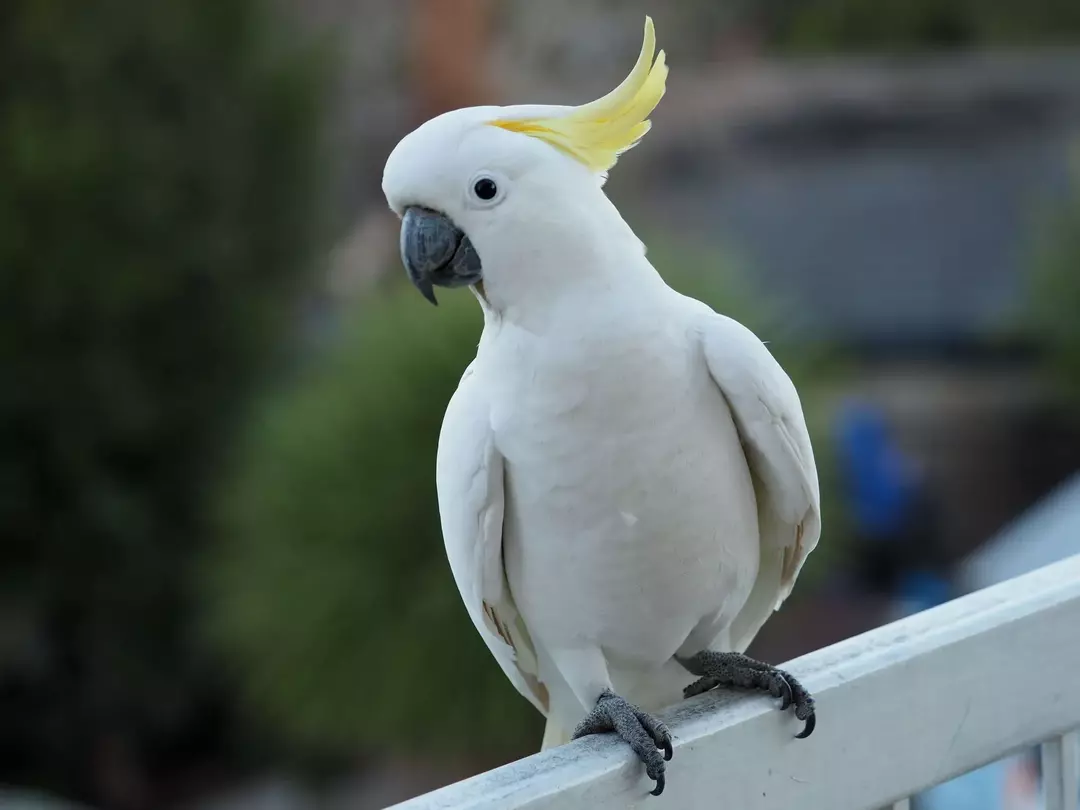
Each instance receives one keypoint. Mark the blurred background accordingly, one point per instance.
(222, 583)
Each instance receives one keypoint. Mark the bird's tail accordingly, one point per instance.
(554, 734)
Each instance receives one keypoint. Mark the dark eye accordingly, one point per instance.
(485, 188)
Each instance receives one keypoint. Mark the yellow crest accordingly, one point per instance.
(598, 132)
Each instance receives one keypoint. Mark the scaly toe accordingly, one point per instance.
(738, 671)
(785, 692)
(645, 735)
(700, 686)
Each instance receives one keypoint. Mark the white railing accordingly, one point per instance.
(900, 709)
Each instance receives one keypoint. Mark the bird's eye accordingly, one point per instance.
(485, 188)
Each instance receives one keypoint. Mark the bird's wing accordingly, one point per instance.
(469, 479)
(772, 428)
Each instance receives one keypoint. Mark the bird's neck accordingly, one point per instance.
(586, 265)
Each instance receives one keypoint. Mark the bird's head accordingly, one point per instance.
(509, 200)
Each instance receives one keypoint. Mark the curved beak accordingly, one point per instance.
(436, 252)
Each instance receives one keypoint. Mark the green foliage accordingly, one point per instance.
(912, 25)
(158, 164)
(332, 587)
(1054, 311)
(331, 590)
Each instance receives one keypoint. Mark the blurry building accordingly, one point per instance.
(889, 207)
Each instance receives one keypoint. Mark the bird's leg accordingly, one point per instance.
(585, 671)
(646, 735)
(738, 671)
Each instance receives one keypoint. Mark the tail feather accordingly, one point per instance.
(554, 734)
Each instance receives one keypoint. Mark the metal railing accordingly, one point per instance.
(900, 709)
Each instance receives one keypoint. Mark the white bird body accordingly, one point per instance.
(619, 484)
(624, 475)
(630, 520)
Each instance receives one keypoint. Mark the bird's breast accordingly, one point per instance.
(630, 513)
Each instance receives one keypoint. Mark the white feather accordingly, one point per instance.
(469, 480)
(770, 421)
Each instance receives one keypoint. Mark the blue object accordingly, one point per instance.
(919, 590)
(983, 789)
(879, 482)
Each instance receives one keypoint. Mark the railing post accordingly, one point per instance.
(1061, 782)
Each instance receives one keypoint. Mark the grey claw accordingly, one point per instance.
(811, 723)
(804, 706)
(656, 791)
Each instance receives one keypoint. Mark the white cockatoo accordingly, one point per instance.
(625, 479)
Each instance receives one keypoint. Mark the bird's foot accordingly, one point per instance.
(734, 670)
(643, 732)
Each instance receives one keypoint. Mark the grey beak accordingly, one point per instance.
(436, 252)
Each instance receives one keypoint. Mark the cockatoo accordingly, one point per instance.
(626, 484)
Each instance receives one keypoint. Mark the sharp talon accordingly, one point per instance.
(787, 696)
(656, 791)
(669, 751)
(811, 722)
